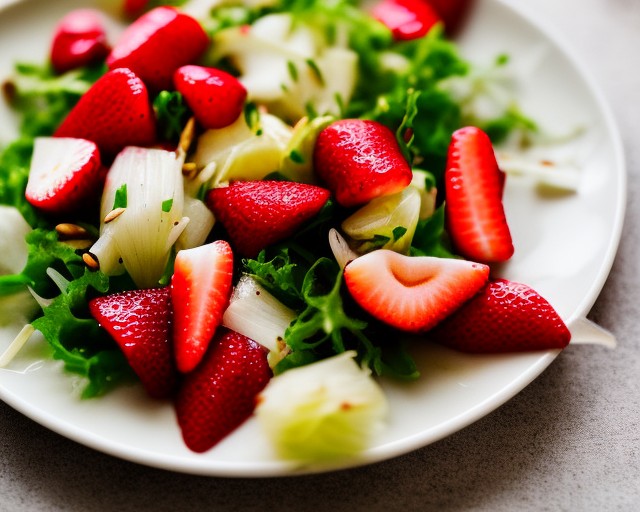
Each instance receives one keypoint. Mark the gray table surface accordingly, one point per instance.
(570, 441)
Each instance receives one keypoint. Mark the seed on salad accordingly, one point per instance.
(187, 135)
(90, 261)
(189, 169)
(79, 244)
(113, 215)
(67, 231)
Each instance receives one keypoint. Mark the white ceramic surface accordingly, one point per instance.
(564, 249)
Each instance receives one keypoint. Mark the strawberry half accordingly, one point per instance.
(412, 293)
(215, 97)
(65, 174)
(407, 19)
(158, 43)
(79, 40)
(257, 214)
(140, 323)
(504, 317)
(360, 160)
(220, 394)
(475, 215)
(200, 290)
(114, 113)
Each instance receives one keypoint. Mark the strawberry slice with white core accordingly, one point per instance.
(475, 214)
(412, 294)
(200, 288)
(64, 174)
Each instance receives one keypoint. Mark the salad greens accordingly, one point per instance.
(402, 85)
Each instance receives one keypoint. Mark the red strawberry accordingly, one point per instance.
(140, 323)
(473, 198)
(412, 293)
(216, 98)
(200, 290)
(65, 174)
(79, 40)
(360, 160)
(115, 112)
(260, 213)
(220, 394)
(158, 43)
(504, 317)
(452, 12)
(133, 8)
(407, 19)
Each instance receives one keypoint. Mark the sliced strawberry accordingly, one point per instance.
(140, 323)
(407, 19)
(412, 293)
(220, 394)
(504, 317)
(257, 214)
(79, 40)
(360, 160)
(114, 113)
(65, 174)
(200, 290)
(215, 97)
(158, 43)
(475, 215)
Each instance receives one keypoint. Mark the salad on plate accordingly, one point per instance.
(261, 208)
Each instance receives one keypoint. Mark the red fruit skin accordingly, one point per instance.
(79, 40)
(199, 303)
(140, 323)
(133, 8)
(360, 160)
(503, 317)
(220, 394)
(76, 191)
(114, 113)
(474, 211)
(215, 97)
(158, 43)
(453, 12)
(407, 19)
(257, 214)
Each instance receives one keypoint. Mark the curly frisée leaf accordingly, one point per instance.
(322, 411)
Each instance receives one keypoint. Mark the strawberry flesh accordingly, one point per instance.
(65, 174)
(503, 317)
(215, 97)
(220, 394)
(114, 113)
(407, 19)
(360, 160)
(257, 214)
(140, 323)
(200, 289)
(475, 215)
(412, 293)
(79, 40)
(158, 43)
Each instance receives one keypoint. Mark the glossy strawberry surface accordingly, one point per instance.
(220, 394)
(407, 19)
(257, 214)
(140, 323)
(504, 317)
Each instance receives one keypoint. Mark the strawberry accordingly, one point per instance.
(133, 8)
(256, 214)
(412, 293)
(360, 160)
(140, 323)
(407, 19)
(215, 97)
(200, 290)
(158, 43)
(220, 394)
(65, 174)
(79, 40)
(503, 317)
(115, 112)
(452, 12)
(475, 215)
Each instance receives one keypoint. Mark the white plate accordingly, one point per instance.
(564, 249)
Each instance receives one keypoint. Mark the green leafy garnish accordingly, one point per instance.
(120, 199)
(171, 114)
